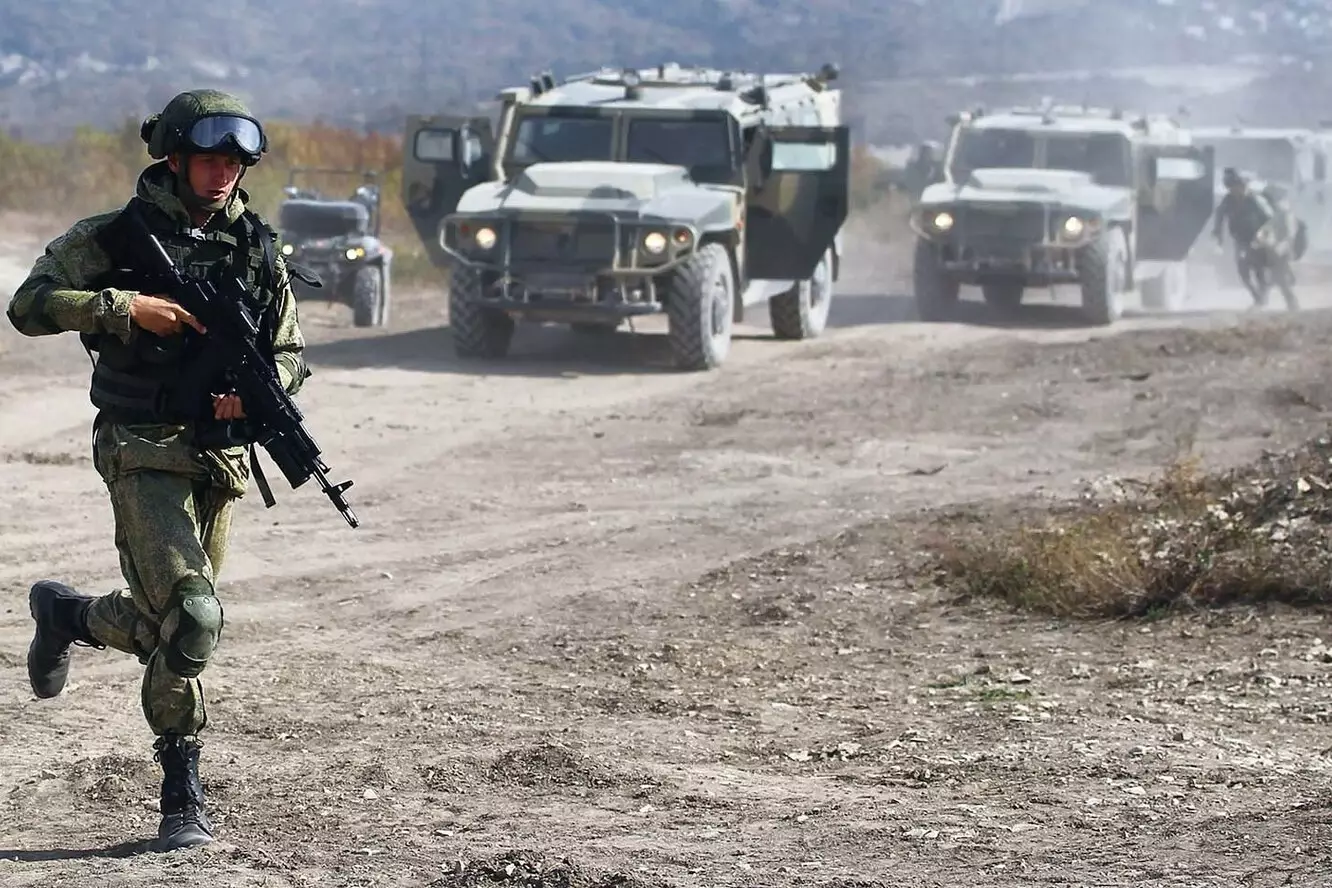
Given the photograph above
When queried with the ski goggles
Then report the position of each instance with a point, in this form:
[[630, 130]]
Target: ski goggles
[[213, 133]]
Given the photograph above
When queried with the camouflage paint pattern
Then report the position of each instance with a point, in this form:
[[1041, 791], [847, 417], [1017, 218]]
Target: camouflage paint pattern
[[172, 502]]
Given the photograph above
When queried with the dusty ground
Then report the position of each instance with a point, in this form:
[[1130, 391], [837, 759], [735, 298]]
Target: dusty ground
[[610, 625]]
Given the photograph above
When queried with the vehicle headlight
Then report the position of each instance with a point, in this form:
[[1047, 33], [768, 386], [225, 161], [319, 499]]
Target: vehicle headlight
[[654, 242], [942, 221], [354, 253], [288, 249], [485, 238], [1073, 227]]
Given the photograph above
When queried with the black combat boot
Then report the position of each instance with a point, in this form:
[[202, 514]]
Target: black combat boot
[[61, 616], [184, 821]]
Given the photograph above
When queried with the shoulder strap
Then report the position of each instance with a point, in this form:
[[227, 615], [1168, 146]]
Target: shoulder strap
[[257, 233]]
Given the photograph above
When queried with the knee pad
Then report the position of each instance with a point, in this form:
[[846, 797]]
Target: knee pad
[[191, 627]]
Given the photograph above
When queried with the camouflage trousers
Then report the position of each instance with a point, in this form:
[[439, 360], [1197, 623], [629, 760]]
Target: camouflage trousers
[[1260, 269], [172, 506]]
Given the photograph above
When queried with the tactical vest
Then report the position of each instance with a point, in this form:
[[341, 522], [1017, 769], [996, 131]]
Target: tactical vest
[[136, 382]]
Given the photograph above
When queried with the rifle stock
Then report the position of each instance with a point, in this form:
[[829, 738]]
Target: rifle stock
[[232, 337]]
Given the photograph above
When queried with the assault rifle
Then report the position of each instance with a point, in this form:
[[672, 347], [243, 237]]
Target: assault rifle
[[231, 345]]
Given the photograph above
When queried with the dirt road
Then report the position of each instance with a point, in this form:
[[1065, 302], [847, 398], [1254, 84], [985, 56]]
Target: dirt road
[[676, 627]]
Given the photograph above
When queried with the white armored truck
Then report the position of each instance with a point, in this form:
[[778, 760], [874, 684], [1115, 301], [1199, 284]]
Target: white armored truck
[[1039, 196], [692, 192]]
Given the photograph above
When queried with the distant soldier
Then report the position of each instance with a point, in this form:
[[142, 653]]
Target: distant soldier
[[924, 169], [1247, 213], [1281, 245]]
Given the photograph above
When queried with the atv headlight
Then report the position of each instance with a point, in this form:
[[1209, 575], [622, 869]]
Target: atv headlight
[[288, 249], [942, 221], [354, 253], [1073, 227], [654, 242], [485, 238]]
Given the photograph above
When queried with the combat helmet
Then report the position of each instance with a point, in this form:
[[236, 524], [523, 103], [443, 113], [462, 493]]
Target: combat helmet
[[205, 121]]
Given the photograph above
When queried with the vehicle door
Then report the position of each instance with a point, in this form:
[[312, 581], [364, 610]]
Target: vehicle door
[[1176, 201], [443, 156], [797, 200]]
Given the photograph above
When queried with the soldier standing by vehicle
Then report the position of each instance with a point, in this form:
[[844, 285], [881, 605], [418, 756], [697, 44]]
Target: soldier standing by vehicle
[[172, 478], [1247, 213], [923, 170]]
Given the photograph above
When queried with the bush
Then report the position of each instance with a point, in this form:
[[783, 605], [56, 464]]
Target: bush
[[95, 170], [1185, 539]]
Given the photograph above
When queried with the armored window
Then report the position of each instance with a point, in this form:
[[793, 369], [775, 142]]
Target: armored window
[[1105, 156], [687, 143], [979, 149], [562, 138]]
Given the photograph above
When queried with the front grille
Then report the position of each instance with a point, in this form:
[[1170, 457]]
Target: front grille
[[576, 243], [1015, 222]]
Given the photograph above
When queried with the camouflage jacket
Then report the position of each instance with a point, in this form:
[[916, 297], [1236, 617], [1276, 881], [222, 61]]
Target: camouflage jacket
[[1247, 214], [57, 297]]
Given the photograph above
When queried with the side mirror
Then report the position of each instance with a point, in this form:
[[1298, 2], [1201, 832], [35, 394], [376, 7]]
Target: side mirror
[[471, 154]]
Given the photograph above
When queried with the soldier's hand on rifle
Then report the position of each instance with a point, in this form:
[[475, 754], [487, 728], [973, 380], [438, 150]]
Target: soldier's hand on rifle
[[227, 407], [160, 315]]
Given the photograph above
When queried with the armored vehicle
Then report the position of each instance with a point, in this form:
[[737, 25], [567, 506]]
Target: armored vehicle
[[1034, 197], [1296, 159], [339, 241], [691, 192]]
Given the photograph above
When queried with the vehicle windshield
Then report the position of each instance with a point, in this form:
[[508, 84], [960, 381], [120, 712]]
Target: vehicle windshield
[[1104, 155], [543, 138], [1265, 158], [687, 143], [561, 138]]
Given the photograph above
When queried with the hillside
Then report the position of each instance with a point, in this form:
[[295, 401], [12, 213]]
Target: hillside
[[362, 62]]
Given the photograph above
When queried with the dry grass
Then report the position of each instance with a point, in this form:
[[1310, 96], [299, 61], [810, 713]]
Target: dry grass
[[1185, 539]]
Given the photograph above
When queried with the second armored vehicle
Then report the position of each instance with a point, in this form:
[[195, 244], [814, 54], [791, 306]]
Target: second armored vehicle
[[1034, 197], [1295, 159], [690, 192]]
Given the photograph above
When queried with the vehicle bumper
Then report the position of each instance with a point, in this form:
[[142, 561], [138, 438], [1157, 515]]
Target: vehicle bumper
[[1037, 265], [591, 265], [1021, 244]]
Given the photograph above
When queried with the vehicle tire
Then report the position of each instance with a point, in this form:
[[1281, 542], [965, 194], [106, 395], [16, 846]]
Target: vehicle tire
[[367, 296], [1004, 296], [479, 331], [936, 294], [1169, 291], [700, 302], [802, 311], [1102, 274]]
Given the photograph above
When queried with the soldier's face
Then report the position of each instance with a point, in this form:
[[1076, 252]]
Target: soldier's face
[[211, 176]]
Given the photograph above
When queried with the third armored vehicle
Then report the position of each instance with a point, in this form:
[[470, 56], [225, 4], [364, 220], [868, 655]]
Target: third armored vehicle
[[1296, 159], [1034, 197], [621, 193], [339, 241]]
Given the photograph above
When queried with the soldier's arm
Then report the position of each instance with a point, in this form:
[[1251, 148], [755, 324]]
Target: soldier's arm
[[288, 342], [56, 297]]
